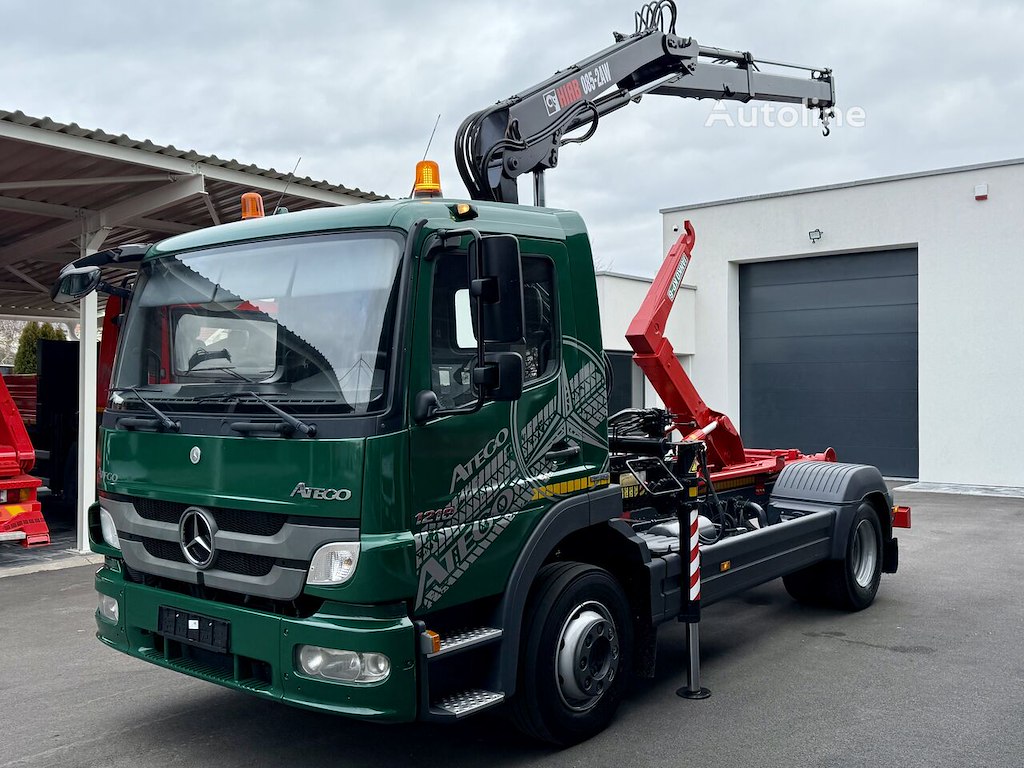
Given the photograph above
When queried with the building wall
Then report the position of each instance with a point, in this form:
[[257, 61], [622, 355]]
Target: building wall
[[971, 294], [619, 297]]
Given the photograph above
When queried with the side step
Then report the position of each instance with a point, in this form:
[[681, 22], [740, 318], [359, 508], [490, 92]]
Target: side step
[[463, 640], [466, 703]]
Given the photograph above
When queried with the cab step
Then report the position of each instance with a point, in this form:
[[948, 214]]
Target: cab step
[[459, 641], [466, 703]]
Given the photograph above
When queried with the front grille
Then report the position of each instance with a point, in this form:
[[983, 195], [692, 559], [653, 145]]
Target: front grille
[[261, 558], [234, 520], [301, 607], [231, 562], [164, 550], [243, 564]]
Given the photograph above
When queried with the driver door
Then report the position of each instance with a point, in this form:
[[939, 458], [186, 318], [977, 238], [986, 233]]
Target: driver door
[[481, 480]]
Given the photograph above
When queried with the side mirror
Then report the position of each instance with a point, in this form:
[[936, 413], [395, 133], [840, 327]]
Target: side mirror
[[500, 378], [82, 277], [499, 289], [74, 283], [424, 406]]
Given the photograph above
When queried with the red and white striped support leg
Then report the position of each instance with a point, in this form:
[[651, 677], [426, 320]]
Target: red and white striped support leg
[[694, 558], [691, 615]]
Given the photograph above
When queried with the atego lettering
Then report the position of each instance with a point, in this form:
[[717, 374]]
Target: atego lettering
[[321, 494], [463, 472]]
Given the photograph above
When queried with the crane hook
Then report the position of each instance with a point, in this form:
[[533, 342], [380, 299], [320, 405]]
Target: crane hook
[[826, 118]]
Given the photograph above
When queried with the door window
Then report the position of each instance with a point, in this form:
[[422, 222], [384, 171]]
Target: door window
[[453, 332]]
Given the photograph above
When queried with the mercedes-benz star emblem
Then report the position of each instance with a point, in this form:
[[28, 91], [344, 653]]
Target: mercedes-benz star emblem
[[195, 454], [196, 531]]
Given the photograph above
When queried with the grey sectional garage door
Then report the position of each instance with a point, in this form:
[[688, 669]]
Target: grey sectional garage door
[[828, 356]]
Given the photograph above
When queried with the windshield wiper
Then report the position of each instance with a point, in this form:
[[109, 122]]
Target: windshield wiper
[[291, 422], [162, 421]]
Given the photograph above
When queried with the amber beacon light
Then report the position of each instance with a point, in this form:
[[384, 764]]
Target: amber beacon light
[[428, 180], [252, 206]]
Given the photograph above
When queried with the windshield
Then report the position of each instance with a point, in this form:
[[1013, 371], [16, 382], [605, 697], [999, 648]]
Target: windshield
[[306, 320]]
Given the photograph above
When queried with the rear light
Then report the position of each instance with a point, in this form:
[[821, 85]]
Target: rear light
[[15, 495], [900, 516]]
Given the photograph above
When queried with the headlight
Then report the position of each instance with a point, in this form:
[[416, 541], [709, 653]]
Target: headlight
[[342, 666], [108, 529], [108, 608], [333, 563]]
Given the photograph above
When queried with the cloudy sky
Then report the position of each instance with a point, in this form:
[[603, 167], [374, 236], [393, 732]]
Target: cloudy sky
[[354, 87]]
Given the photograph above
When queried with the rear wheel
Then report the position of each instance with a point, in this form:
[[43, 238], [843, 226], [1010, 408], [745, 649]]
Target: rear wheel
[[852, 583], [575, 660], [805, 586], [849, 584]]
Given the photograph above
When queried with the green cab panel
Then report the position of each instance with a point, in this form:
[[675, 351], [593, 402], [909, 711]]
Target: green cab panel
[[269, 475], [262, 649], [481, 481]]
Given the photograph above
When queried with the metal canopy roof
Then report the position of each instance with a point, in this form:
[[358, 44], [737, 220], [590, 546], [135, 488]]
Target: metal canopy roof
[[66, 189]]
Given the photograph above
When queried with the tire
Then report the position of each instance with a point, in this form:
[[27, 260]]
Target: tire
[[805, 586], [576, 655], [849, 584], [852, 583]]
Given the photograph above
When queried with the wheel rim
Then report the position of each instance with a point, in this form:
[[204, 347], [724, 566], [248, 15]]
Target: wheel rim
[[587, 656], [864, 556]]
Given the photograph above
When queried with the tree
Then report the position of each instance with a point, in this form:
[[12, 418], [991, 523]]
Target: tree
[[27, 358], [10, 331]]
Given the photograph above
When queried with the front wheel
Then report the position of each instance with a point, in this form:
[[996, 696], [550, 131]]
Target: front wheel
[[575, 661]]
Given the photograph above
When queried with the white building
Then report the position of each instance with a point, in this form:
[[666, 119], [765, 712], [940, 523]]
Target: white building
[[884, 317], [619, 297]]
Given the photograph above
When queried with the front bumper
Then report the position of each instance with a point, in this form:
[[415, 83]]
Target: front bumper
[[261, 651]]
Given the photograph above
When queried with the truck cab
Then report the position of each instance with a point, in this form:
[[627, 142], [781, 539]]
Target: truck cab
[[300, 564]]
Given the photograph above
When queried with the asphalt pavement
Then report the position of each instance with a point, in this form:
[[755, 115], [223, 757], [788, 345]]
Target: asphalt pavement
[[931, 675]]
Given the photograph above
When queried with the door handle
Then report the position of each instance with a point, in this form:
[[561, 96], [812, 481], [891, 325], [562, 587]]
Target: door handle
[[562, 454]]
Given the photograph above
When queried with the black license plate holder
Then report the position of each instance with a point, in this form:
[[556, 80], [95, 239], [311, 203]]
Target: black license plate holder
[[194, 629]]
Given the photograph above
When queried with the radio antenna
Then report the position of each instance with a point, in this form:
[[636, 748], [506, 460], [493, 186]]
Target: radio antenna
[[287, 184], [431, 139], [425, 151]]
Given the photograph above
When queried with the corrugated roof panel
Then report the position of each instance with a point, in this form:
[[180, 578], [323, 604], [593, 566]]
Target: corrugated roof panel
[[73, 129], [30, 158]]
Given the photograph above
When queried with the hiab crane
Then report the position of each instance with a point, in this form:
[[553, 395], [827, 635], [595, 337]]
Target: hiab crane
[[524, 133], [359, 460]]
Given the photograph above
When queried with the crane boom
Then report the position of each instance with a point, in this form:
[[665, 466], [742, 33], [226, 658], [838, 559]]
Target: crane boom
[[523, 134]]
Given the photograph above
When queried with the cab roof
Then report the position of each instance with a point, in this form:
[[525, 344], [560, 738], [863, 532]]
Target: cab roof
[[526, 221]]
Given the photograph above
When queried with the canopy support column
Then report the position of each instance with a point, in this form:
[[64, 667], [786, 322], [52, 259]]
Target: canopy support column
[[88, 309]]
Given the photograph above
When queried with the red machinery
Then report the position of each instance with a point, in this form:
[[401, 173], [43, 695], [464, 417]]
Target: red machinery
[[21, 517], [727, 457]]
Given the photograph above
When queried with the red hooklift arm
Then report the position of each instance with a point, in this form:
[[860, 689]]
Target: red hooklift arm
[[657, 359]]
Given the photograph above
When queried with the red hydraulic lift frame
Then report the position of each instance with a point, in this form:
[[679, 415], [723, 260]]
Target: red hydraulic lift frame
[[727, 456]]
